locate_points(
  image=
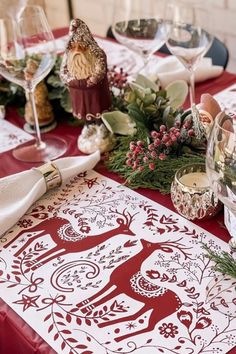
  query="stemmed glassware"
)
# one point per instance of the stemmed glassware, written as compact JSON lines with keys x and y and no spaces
{"x":27,"y":54}
{"x":221,"y":162}
{"x":221,"y":172}
{"x":140,"y":26}
{"x":187,"y":38}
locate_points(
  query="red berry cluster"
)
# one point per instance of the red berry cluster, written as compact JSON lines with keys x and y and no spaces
{"x":142,"y":154}
{"x":187,"y":127}
{"x":117,"y":77}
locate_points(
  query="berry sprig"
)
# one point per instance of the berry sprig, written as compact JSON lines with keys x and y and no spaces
{"x":166,"y":138}
{"x":187,"y":129}
{"x":158,"y":146}
{"x":117,"y":78}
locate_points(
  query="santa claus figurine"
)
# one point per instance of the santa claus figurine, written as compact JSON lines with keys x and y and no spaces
{"x":84,"y":71}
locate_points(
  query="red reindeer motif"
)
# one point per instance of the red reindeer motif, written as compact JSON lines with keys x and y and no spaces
{"x":67,"y":240}
{"x":127,"y":279}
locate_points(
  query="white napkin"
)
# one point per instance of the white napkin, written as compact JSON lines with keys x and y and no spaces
{"x":19,"y":191}
{"x":170,"y":69}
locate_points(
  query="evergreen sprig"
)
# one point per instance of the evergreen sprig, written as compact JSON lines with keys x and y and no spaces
{"x":225,"y":262}
{"x":158,"y":179}
{"x":164,"y":141}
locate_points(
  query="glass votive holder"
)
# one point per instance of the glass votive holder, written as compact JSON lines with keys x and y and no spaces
{"x":191,"y":194}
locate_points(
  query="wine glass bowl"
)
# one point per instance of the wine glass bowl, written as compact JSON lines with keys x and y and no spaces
{"x":188,"y":45}
{"x":27,"y":55}
{"x":187,"y":40}
{"x":21,"y":61}
{"x":221,"y":160}
{"x":140,"y":26}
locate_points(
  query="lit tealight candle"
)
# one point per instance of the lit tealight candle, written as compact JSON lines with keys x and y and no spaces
{"x":195,"y":180}
{"x":191,"y":193}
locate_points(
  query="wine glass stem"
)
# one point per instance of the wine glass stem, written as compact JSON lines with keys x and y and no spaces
{"x":192,"y":88}
{"x":144,"y":64}
{"x":38,"y":141}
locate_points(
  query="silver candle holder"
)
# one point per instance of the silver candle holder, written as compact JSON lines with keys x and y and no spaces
{"x":192,"y":195}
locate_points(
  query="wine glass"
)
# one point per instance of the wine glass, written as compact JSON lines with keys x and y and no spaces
{"x":221,"y":162}
{"x":140,"y":26}
{"x":27,"y":55}
{"x":221,"y":172}
{"x":187,"y":39}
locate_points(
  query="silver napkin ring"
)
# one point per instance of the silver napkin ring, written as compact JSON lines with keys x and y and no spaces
{"x":51,"y":174}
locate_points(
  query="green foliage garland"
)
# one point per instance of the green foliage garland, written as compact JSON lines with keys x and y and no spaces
{"x":150,"y":109}
{"x":158,"y":179}
{"x":165,"y":140}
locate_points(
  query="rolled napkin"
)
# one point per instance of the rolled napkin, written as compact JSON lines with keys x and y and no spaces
{"x":19,"y":191}
{"x":170,"y":69}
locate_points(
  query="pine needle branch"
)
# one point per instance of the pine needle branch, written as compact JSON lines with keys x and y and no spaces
{"x":225,"y":263}
{"x":159,"y":179}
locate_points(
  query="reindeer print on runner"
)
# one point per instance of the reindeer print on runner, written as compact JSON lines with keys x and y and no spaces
{"x":146,"y":289}
{"x":65,"y":244}
{"x":65,"y":236}
{"x":67,"y":233}
{"x":121,"y":280}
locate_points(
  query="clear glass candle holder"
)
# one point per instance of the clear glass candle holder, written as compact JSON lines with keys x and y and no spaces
{"x":192,"y":195}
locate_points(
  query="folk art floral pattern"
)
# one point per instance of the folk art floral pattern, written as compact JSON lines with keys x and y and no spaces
{"x":94,"y":267}
{"x":11,"y":136}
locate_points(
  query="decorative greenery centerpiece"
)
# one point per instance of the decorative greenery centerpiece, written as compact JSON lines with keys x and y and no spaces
{"x":154,"y":135}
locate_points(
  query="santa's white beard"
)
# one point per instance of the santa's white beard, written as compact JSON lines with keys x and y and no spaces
{"x":79,"y":66}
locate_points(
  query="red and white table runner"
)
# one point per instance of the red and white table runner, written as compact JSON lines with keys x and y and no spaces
{"x":94,"y":267}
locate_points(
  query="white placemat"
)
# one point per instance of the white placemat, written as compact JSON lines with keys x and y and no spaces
{"x":227,"y":99}
{"x":11,"y":136}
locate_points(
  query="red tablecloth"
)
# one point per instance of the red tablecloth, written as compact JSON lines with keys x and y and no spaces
{"x":16,"y":337}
